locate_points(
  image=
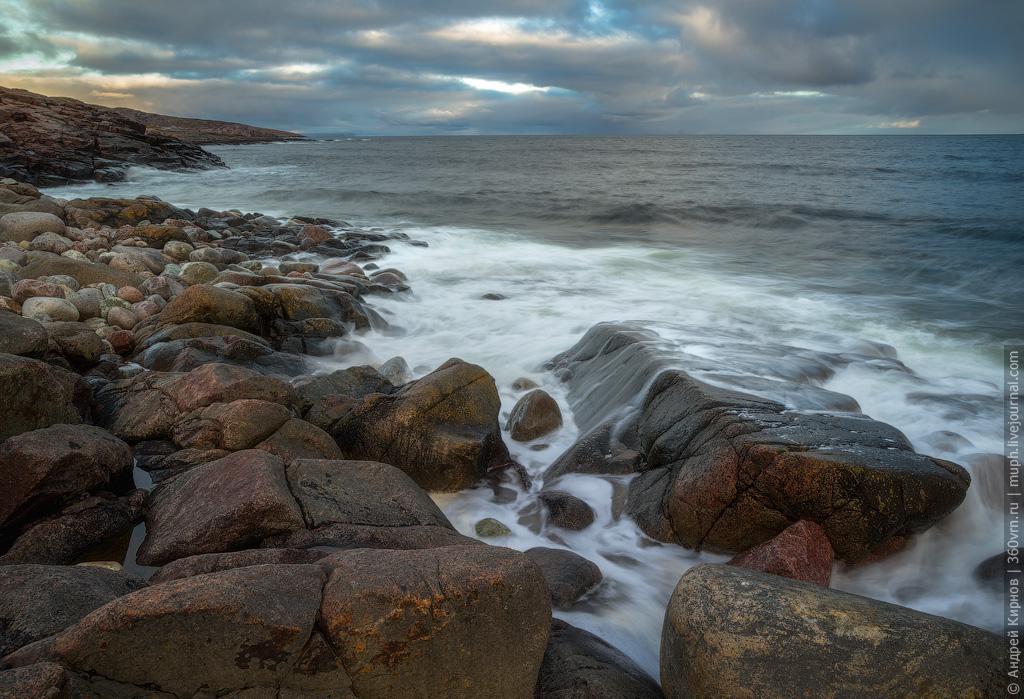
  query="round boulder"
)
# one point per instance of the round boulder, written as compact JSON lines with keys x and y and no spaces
{"x":534,"y":415}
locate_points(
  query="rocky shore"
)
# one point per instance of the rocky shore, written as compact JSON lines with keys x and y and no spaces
{"x":163,"y":368}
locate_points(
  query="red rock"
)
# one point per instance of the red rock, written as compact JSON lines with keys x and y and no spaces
{"x":29,"y":288}
{"x":316,"y":234}
{"x":130,"y":294}
{"x":122,"y":341}
{"x":800,"y":552}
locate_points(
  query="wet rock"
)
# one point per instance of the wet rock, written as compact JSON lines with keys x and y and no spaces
{"x":40,"y":600}
{"x":51,"y":242}
{"x":76,"y":342}
{"x":991,"y":572}
{"x":97,"y":212}
{"x":492,"y":296}
{"x":800,"y":552}
{"x":25,"y":289}
{"x":44,"y":469}
{"x":326,"y":397}
{"x":77,"y":530}
{"x":429,"y":623}
{"x":441,"y":429}
{"x":178,"y":250}
{"x":534,"y":415}
{"x":579,"y":665}
{"x":38,"y":395}
{"x":736,"y":632}
{"x":298,"y":439}
{"x":396,"y":370}
{"x":568,"y":576}
{"x":25,"y":226}
{"x":87,"y":301}
{"x":216,"y":562}
{"x":599,"y":451}
{"x":233,"y":426}
{"x":198,"y":272}
{"x":191,"y":353}
{"x":121,"y":318}
{"x":566,"y":510}
{"x":157,"y":236}
{"x":524,"y":384}
{"x":22,"y":336}
{"x":226,"y":505}
{"x":488,"y":527}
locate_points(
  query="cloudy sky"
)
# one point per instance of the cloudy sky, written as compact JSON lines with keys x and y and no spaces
{"x":534,"y":66}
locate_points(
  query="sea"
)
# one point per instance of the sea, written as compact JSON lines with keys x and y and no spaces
{"x":750,"y":254}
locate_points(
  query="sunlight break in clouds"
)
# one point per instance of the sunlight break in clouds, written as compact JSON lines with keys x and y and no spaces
{"x":499,"y":86}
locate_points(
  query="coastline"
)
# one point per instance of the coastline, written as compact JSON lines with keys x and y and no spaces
{"x":190,"y":348}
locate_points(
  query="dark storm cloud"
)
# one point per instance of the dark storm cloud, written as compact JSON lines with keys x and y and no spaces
{"x":621,"y":67}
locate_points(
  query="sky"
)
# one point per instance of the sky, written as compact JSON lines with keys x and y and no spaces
{"x":409,"y":67}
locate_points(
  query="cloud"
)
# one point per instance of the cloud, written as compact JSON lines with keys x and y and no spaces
{"x":533,"y":66}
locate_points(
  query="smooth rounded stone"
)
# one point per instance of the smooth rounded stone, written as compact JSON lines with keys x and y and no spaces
{"x":336,"y":265}
{"x":566,"y":510}
{"x":233,"y":426}
{"x":488,"y":528}
{"x":122,"y":341}
{"x":492,"y":296}
{"x":441,"y":429}
{"x":226,"y":505}
{"x":41,"y":600}
{"x":51,"y":242}
{"x":210,"y":304}
{"x":46,"y":468}
{"x":154,"y":235}
{"x":162,"y":286}
{"x":75,"y":255}
{"x":599,"y":451}
{"x":131,"y":263}
{"x":524,"y":384}
{"x":26,"y":225}
{"x":218,"y":256}
{"x":38,"y":395}
{"x":45,"y":264}
{"x":122,"y":318}
{"x":22,"y":336}
{"x":63,"y":280}
{"x":459,"y":621}
{"x":178,"y":250}
{"x":10,"y":305}
{"x":216,"y":562}
{"x":298,"y":439}
{"x":198,"y":272}
{"x":110,"y":302}
{"x":733,"y":632}
{"x":130,"y":294}
{"x":568,"y":575}
{"x":396,"y":370}
{"x":800,"y":552}
{"x":87,"y":301}
{"x":534,"y":415}
{"x":247,"y":631}
{"x":25,"y":289}
{"x":148,"y":307}
{"x":76,"y":342}
{"x":315,"y":234}
{"x":288,"y":266}
{"x":13,"y":254}
{"x":579,"y":665}
{"x":47,"y":308}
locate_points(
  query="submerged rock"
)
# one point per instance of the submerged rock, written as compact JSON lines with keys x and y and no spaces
{"x":566,"y":510}
{"x":733,"y":632}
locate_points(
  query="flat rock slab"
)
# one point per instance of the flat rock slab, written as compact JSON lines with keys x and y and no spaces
{"x":731,"y":632}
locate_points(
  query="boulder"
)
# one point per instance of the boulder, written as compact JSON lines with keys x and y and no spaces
{"x":38,"y":395}
{"x":566,"y":510}
{"x":156,"y":235}
{"x":459,"y":621}
{"x":78,"y":530}
{"x":76,"y":342}
{"x":233,"y":426}
{"x":298,"y":439}
{"x":602,"y":450}
{"x":226,"y":505}
{"x":26,"y":225}
{"x":216,"y":562}
{"x":96,"y":212}
{"x":41,"y":600}
{"x":733,"y":632}
{"x":49,"y":308}
{"x":534,"y":415}
{"x":22,"y":336}
{"x":568,"y":576}
{"x":43,"y":680}
{"x":800,"y":552}
{"x":326,"y":397}
{"x":43,"y":264}
{"x":441,"y":429}
{"x":44,"y":469}
{"x":25,"y":289}
{"x":211,"y":304}
{"x":579,"y":665}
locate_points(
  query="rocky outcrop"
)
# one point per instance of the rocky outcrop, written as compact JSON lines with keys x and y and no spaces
{"x":54,"y":140}
{"x":441,"y":429}
{"x":205,"y":132}
{"x":725,"y":470}
{"x":456,"y":621}
{"x":41,"y":600}
{"x":731,"y":632}
{"x":579,"y":665}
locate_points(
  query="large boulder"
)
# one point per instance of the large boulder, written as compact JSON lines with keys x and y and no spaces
{"x":40,"y":600}
{"x":38,"y":395}
{"x":47,"y":264}
{"x":44,"y":469}
{"x":731,"y":632}
{"x":225,"y":505}
{"x":579,"y":665}
{"x":459,"y":621}
{"x":23,"y":226}
{"x":441,"y":429}
{"x":102,"y":211}
{"x":568,"y":575}
{"x":204,"y":563}
{"x":22,"y":336}
{"x":202,"y":303}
